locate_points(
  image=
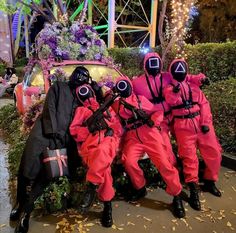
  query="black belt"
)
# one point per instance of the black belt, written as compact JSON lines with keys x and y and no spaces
{"x":191,"y":115}
{"x":186,"y":105}
{"x":167,"y":113}
{"x":135,"y":126}
{"x":129,"y":121}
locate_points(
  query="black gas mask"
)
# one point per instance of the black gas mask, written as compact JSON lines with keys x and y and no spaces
{"x":79,"y":77}
{"x":179,"y":71}
{"x":124,"y":88}
{"x":84,"y":92}
{"x":153,"y":66}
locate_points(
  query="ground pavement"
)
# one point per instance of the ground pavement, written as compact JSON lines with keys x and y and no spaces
{"x":152,"y":214}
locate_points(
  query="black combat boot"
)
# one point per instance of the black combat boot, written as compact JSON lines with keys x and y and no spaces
{"x":178,"y":207}
{"x":24,"y":187}
{"x":23,"y":224}
{"x":88,"y":198}
{"x":194,"y":198}
{"x":106,"y":219}
{"x":15,"y":212}
{"x":209,"y":186}
{"x":137,"y":194}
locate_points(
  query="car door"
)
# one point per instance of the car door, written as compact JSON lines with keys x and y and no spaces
{"x":33,"y":85}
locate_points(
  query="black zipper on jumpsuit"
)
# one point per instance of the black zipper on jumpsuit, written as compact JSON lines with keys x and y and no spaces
{"x":185,"y":94}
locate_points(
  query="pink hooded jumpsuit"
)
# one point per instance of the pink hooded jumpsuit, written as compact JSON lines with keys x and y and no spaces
{"x":156,"y":86}
{"x":140,"y":138}
{"x":97,"y":150}
{"x":187,"y":128}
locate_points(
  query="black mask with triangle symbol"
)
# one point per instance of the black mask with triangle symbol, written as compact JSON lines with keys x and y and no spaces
{"x":179,"y":70}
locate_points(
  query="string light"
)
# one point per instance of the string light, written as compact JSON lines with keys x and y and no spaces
{"x":179,"y":19}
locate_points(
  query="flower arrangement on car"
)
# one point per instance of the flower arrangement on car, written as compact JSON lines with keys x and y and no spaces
{"x":75,"y":42}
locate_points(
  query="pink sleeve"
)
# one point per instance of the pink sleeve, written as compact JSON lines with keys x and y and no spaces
{"x":196,"y":79}
{"x":77,"y":131}
{"x":205,"y":110}
{"x":157,"y":117}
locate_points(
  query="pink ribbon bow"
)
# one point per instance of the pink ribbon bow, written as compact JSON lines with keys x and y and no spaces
{"x":60,"y":161}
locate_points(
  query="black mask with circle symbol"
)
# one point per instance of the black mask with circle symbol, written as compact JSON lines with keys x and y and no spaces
{"x":84,"y":93}
{"x":124,"y":88}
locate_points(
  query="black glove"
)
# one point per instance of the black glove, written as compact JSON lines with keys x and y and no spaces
{"x":205,"y":129}
{"x":158,"y":127}
{"x":92,"y":128}
{"x":150,"y":123}
{"x":205,"y":81}
{"x":109,"y":132}
{"x":176,"y":89}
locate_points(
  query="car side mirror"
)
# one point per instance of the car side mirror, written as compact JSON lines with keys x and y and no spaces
{"x":29,"y":91}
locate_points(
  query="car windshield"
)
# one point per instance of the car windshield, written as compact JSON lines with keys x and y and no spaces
{"x":97,"y":72}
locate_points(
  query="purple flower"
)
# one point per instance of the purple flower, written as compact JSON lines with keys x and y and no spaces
{"x":97,"y":56}
{"x":98,"y":42}
{"x":82,"y":40}
{"x":90,"y":28}
{"x":65,"y":55}
{"x":83,"y":50}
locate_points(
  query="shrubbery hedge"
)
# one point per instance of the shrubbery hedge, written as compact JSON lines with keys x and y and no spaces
{"x":222,"y":97}
{"x":217,"y":61}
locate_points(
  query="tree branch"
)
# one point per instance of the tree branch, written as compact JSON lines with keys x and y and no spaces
{"x":161,"y":23}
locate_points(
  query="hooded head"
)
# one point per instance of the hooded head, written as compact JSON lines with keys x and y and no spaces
{"x":124,"y":87}
{"x":84,"y":92}
{"x":178,"y":69}
{"x":152,"y":64}
{"x":79,"y":77}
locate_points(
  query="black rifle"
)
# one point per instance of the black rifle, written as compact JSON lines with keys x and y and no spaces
{"x":96,"y":121}
{"x":139,"y":114}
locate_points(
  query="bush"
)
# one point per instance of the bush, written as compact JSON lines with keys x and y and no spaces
{"x":222,"y":97}
{"x":10,"y":122}
{"x":217,"y":61}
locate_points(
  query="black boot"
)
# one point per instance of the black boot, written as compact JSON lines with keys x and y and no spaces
{"x":137,"y":194}
{"x":209,"y":186}
{"x":15,"y":212}
{"x":23,"y":224}
{"x":88,"y":198}
{"x":24,"y":187}
{"x":194,"y":198}
{"x":178,"y":207}
{"x":107,"y":215}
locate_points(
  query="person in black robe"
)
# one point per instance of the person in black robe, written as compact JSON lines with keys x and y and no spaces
{"x":51,"y":130}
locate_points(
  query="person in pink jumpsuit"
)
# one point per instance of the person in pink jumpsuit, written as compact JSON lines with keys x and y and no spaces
{"x":151,"y":85}
{"x":194,"y":130}
{"x":97,"y":147}
{"x":142,"y":122}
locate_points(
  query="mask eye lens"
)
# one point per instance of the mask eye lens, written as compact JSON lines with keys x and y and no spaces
{"x":122,"y":85}
{"x":83,"y":91}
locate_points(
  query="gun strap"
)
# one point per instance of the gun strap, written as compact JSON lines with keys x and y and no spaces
{"x":131,"y":120}
{"x":188,"y":102}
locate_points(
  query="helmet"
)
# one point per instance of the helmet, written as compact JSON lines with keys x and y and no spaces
{"x":79,"y":76}
{"x":179,"y":70}
{"x":84,"y":92}
{"x":124,"y":88}
{"x":153,"y":66}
